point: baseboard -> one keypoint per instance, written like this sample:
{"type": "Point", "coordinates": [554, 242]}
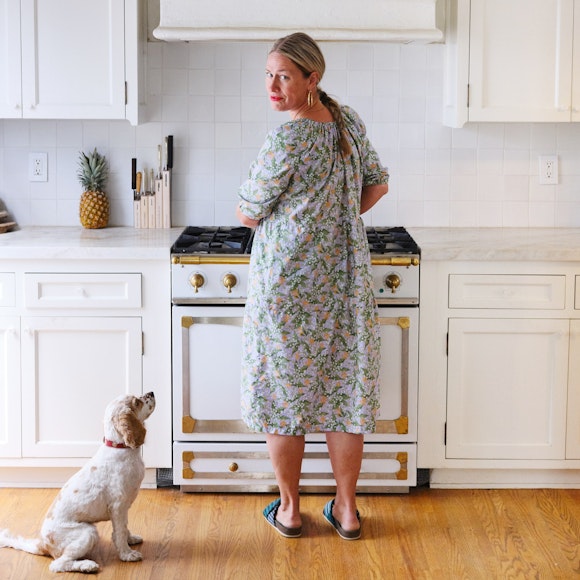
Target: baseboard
{"type": "Point", "coordinates": [504, 478]}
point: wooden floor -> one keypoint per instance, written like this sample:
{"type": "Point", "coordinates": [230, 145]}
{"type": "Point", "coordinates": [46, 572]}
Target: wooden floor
{"type": "Point", "coordinates": [427, 534]}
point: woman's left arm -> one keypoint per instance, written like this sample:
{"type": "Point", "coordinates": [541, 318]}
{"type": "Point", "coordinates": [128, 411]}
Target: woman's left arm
{"type": "Point", "coordinates": [371, 194]}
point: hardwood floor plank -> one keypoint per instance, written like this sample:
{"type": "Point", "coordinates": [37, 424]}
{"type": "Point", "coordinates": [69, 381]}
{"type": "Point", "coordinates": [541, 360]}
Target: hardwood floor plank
{"type": "Point", "coordinates": [425, 535]}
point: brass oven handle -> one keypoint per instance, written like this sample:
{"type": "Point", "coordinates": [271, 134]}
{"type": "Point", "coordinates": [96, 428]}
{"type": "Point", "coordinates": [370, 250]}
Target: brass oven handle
{"type": "Point", "coordinates": [197, 281]}
{"type": "Point", "coordinates": [229, 281]}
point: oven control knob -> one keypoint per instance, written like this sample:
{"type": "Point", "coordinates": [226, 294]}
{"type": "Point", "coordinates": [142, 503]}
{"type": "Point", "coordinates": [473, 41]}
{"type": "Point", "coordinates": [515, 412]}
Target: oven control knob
{"type": "Point", "coordinates": [233, 467]}
{"type": "Point", "coordinates": [197, 281]}
{"type": "Point", "coordinates": [393, 281]}
{"type": "Point", "coordinates": [229, 281]}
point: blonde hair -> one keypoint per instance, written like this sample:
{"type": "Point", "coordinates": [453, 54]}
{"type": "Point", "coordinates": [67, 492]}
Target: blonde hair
{"type": "Point", "coordinates": [305, 53]}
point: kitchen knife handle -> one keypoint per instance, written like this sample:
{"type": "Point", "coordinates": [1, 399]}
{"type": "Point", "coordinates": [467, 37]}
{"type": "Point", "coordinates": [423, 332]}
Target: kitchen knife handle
{"type": "Point", "coordinates": [134, 173]}
{"type": "Point", "coordinates": [138, 181]}
{"type": "Point", "coordinates": [169, 151]}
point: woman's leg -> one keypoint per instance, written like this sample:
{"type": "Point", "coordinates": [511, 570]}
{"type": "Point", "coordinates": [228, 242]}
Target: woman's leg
{"type": "Point", "coordinates": [286, 453]}
{"type": "Point", "coordinates": [345, 450]}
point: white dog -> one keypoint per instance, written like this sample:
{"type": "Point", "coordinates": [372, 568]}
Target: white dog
{"type": "Point", "coordinates": [102, 490]}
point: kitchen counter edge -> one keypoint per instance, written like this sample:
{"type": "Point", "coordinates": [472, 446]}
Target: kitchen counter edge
{"type": "Point", "coordinates": [498, 244]}
{"type": "Point", "coordinates": [117, 243]}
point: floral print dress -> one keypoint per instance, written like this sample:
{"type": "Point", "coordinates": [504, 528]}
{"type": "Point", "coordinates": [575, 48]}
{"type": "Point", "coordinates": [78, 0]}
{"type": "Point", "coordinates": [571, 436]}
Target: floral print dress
{"type": "Point", "coordinates": [310, 354]}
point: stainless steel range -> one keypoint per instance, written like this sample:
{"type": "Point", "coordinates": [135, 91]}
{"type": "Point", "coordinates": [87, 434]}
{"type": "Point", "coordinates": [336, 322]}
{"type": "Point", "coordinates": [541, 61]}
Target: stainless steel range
{"type": "Point", "coordinates": [213, 450]}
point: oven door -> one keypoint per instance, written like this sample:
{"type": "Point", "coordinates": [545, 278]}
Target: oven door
{"type": "Point", "coordinates": [207, 343]}
{"type": "Point", "coordinates": [206, 375]}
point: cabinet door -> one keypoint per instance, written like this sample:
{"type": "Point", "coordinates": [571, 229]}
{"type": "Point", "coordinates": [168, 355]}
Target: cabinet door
{"type": "Point", "coordinates": [576, 60]}
{"type": "Point", "coordinates": [507, 385]}
{"type": "Point", "coordinates": [521, 60]}
{"type": "Point", "coordinates": [10, 87]}
{"type": "Point", "coordinates": [573, 424]}
{"type": "Point", "coordinates": [10, 386]}
{"type": "Point", "coordinates": [73, 59]}
{"type": "Point", "coordinates": [72, 367]}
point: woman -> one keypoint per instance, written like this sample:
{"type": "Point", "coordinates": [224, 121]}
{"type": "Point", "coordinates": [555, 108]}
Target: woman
{"type": "Point", "coordinates": [311, 337]}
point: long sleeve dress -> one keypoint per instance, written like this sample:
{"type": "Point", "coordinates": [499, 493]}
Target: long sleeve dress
{"type": "Point", "coordinates": [310, 353]}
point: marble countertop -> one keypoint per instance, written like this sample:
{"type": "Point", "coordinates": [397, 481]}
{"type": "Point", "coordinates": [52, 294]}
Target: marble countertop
{"type": "Point", "coordinates": [437, 244]}
{"type": "Point", "coordinates": [120, 243]}
{"type": "Point", "coordinates": [495, 244]}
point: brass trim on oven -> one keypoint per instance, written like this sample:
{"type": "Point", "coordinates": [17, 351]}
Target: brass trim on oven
{"type": "Point", "coordinates": [209, 426]}
{"type": "Point", "coordinates": [402, 457]}
{"type": "Point", "coordinates": [400, 425]}
{"type": "Point", "coordinates": [211, 259]}
{"type": "Point", "coordinates": [188, 423]}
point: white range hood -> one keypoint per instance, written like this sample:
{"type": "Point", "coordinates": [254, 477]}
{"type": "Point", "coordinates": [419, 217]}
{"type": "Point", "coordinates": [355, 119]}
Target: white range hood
{"type": "Point", "coordinates": [350, 20]}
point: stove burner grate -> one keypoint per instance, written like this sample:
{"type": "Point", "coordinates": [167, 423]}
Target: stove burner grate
{"type": "Point", "coordinates": [213, 240]}
{"type": "Point", "coordinates": [391, 240]}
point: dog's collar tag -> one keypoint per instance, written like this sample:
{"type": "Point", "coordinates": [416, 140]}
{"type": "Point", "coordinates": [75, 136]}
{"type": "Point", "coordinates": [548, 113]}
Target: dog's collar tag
{"type": "Point", "coordinates": [109, 443]}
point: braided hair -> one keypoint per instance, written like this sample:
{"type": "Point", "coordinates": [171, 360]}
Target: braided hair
{"type": "Point", "coordinates": [305, 53]}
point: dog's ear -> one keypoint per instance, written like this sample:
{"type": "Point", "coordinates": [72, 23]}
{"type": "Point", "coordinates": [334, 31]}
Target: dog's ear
{"type": "Point", "coordinates": [129, 426]}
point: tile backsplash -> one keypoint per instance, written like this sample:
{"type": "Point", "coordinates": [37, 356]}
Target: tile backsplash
{"type": "Point", "coordinates": [210, 96]}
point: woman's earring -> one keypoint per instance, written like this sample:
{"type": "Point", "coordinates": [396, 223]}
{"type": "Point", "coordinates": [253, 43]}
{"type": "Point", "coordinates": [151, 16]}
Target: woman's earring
{"type": "Point", "coordinates": [309, 99]}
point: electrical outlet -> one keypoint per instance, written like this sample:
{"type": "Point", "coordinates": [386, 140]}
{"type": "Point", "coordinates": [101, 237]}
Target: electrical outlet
{"type": "Point", "coordinates": [38, 167]}
{"type": "Point", "coordinates": [548, 169]}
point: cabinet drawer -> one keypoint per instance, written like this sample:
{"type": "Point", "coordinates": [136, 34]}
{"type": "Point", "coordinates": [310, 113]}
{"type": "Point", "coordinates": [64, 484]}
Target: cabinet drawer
{"type": "Point", "coordinates": [7, 291]}
{"type": "Point", "coordinates": [507, 291]}
{"type": "Point", "coordinates": [246, 467]}
{"type": "Point", "coordinates": [82, 290]}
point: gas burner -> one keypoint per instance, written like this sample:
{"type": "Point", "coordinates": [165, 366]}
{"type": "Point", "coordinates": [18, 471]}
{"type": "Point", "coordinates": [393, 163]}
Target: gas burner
{"type": "Point", "coordinates": [391, 240]}
{"type": "Point", "coordinates": [213, 240]}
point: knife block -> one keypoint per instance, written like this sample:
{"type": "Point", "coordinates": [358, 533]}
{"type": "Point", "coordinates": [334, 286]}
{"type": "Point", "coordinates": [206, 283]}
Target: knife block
{"type": "Point", "coordinates": [152, 209]}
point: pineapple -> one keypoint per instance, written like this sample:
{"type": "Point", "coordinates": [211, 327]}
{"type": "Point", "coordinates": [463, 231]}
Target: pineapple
{"type": "Point", "coordinates": [94, 205]}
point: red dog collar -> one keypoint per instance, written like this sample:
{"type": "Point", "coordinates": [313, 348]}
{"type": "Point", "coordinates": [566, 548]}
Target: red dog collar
{"type": "Point", "coordinates": [113, 444]}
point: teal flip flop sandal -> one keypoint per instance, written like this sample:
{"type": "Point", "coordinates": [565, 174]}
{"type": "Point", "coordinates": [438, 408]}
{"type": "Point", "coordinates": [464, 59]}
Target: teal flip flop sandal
{"type": "Point", "coordinates": [344, 534]}
{"type": "Point", "coordinates": [270, 512]}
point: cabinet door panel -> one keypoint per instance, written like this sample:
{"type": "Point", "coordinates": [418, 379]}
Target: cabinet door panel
{"type": "Point", "coordinates": [71, 369]}
{"type": "Point", "coordinates": [10, 386]}
{"type": "Point", "coordinates": [520, 60]}
{"type": "Point", "coordinates": [576, 60]}
{"type": "Point", "coordinates": [573, 424]}
{"type": "Point", "coordinates": [73, 59]}
{"type": "Point", "coordinates": [10, 89]}
{"type": "Point", "coordinates": [507, 388]}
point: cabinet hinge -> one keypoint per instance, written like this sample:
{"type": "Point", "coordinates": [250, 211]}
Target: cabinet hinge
{"type": "Point", "coordinates": [445, 434]}
{"type": "Point", "coordinates": [468, 95]}
{"type": "Point", "coordinates": [126, 91]}
{"type": "Point", "coordinates": [447, 344]}
{"type": "Point", "coordinates": [142, 343]}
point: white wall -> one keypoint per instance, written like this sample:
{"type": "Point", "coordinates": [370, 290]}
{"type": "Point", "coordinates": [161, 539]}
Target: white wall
{"type": "Point", "coordinates": [211, 98]}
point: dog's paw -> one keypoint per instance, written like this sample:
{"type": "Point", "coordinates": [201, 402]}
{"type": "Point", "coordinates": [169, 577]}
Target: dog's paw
{"type": "Point", "coordinates": [134, 540]}
{"type": "Point", "coordinates": [88, 566]}
{"type": "Point", "coordinates": [131, 556]}
{"type": "Point", "coordinates": [63, 565]}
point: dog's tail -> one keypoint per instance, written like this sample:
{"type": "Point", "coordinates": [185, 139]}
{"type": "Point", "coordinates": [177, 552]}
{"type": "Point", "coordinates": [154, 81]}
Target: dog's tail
{"type": "Point", "coordinates": [33, 546]}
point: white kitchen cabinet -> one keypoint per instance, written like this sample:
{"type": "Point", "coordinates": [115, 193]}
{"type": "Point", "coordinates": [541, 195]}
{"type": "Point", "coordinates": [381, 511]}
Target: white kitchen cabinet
{"type": "Point", "coordinates": [512, 61]}
{"type": "Point", "coordinates": [507, 388]}
{"type": "Point", "coordinates": [10, 404]}
{"type": "Point", "coordinates": [70, 367]}
{"type": "Point", "coordinates": [10, 59]}
{"type": "Point", "coordinates": [83, 319]}
{"type": "Point", "coordinates": [573, 423]}
{"type": "Point", "coordinates": [499, 388]}
{"type": "Point", "coordinates": [71, 59]}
